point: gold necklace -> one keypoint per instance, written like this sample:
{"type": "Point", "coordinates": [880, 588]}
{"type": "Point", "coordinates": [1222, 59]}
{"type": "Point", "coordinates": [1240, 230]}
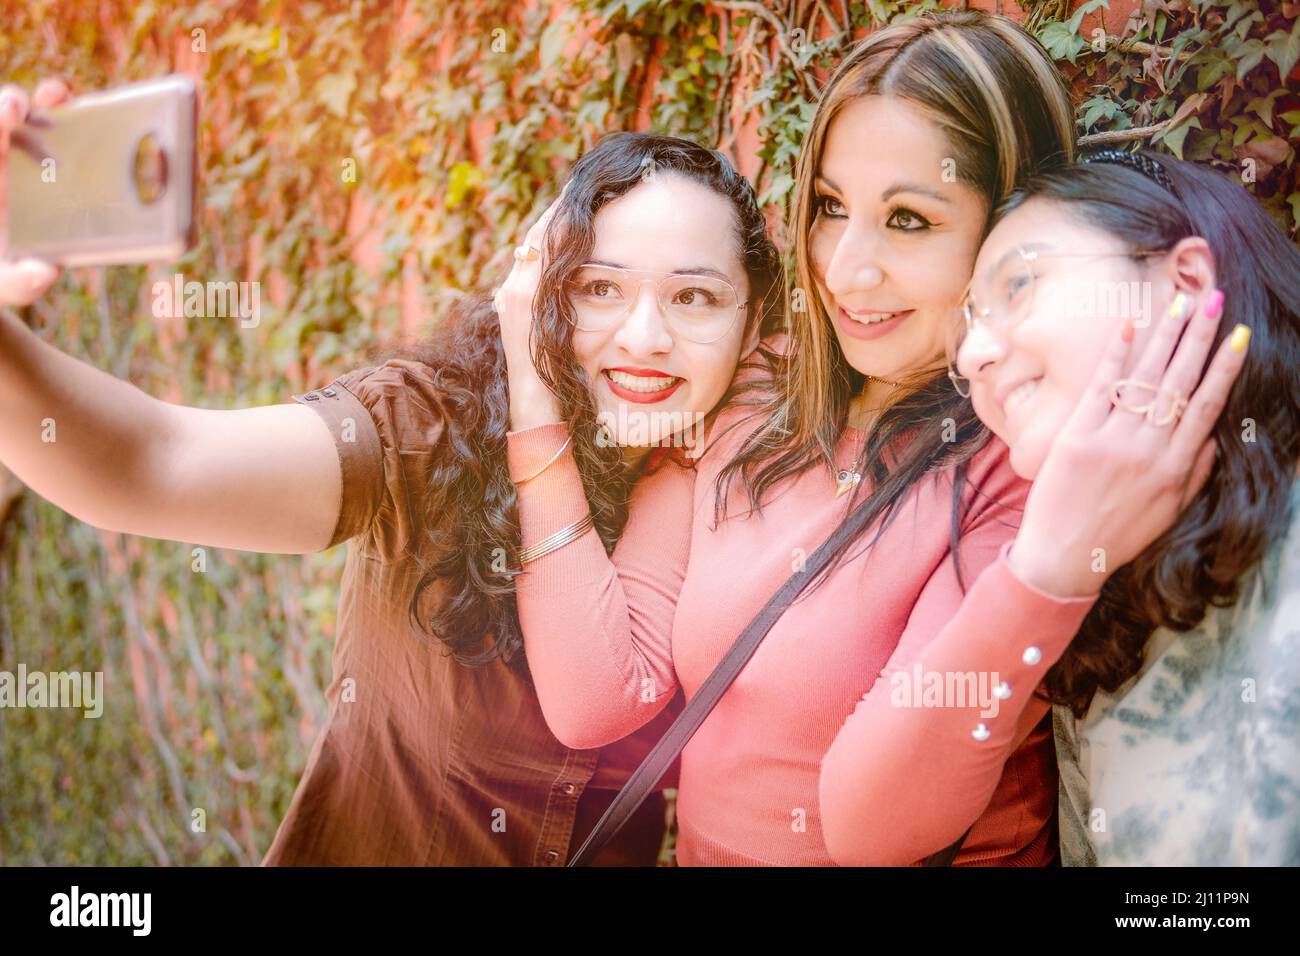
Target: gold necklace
{"type": "Point", "coordinates": [848, 478]}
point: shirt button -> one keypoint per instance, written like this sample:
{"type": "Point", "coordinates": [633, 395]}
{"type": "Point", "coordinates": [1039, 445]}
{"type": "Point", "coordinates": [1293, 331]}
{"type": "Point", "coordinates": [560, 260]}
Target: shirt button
{"type": "Point", "coordinates": [1032, 655]}
{"type": "Point", "coordinates": [327, 391]}
{"type": "Point", "coordinates": [312, 397]}
{"type": "Point", "coordinates": [570, 789]}
{"type": "Point", "coordinates": [552, 856]}
{"type": "Point", "coordinates": [981, 733]}
{"type": "Point", "coordinates": [1002, 691]}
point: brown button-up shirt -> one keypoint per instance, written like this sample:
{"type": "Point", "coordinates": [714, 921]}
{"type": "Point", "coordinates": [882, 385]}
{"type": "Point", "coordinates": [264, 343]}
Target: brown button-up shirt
{"type": "Point", "coordinates": [424, 761]}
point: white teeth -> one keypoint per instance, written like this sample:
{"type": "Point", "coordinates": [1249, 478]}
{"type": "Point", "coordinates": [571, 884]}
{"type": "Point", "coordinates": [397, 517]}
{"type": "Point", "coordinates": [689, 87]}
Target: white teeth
{"type": "Point", "coordinates": [640, 383]}
{"type": "Point", "coordinates": [1020, 394]}
{"type": "Point", "coordinates": [873, 320]}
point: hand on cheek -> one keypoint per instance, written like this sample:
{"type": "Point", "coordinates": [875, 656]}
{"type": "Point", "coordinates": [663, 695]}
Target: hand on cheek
{"type": "Point", "coordinates": [1121, 472]}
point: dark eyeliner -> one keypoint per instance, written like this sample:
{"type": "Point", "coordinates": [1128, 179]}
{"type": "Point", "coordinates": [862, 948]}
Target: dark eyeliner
{"type": "Point", "coordinates": [819, 205]}
{"type": "Point", "coordinates": [913, 214]}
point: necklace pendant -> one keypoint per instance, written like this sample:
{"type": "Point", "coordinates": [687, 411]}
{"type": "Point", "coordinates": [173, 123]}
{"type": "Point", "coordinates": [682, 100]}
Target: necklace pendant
{"type": "Point", "coordinates": [845, 480]}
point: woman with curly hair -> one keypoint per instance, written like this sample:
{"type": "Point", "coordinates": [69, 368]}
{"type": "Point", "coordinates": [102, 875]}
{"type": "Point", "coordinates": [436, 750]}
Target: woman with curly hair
{"type": "Point", "coordinates": [435, 751]}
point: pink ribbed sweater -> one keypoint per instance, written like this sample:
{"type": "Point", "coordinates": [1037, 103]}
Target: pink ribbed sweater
{"type": "Point", "coordinates": [811, 757]}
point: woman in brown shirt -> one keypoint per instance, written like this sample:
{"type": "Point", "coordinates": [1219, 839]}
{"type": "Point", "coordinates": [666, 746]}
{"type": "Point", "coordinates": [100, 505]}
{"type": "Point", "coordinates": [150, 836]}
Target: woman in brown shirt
{"type": "Point", "coordinates": [435, 751]}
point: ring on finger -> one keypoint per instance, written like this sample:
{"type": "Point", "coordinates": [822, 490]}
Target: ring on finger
{"type": "Point", "coordinates": [1177, 402]}
{"type": "Point", "coordinates": [1176, 405]}
{"type": "Point", "coordinates": [1120, 400]}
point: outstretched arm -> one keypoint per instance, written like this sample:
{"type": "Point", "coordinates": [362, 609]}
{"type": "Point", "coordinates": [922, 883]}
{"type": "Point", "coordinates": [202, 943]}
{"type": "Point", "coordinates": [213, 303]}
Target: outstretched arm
{"type": "Point", "coordinates": [258, 479]}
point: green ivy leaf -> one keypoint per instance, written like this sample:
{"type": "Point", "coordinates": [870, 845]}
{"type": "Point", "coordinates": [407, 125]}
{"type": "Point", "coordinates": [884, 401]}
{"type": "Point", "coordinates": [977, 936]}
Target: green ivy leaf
{"type": "Point", "coordinates": [1246, 127]}
{"type": "Point", "coordinates": [1076, 21]}
{"type": "Point", "coordinates": [625, 59]}
{"type": "Point", "coordinates": [1096, 108]}
{"type": "Point", "coordinates": [1284, 49]}
{"type": "Point", "coordinates": [1262, 106]}
{"type": "Point", "coordinates": [1292, 117]}
{"type": "Point", "coordinates": [554, 37]}
{"type": "Point", "coordinates": [1248, 55]}
{"type": "Point", "coordinates": [1060, 41]}
{"type": "Point", "coordinates": [781, 184]}
{"type": "Point", "coordinates": [1235, 10]}
{"type": "Point", "coordinates": [464, 177]}
{"type": "Point", "coordinates": [1201, 144]}
{"type": "Point", "coordinates": [1244, 26]}
{"type": "Point", "coordinates": [1173, 139]}
{"type": "Point", "coordinates": [1212, 72]}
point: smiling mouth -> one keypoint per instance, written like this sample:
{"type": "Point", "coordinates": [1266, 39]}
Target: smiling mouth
{"type": "Point", "coordinates": [641, 386]}
{"type": "Point", "coordinates": [647, 384]}
{"type": "Point", "coordinates": [1019, 395]}
{"type": "Point", "coordinates": [873, 318]}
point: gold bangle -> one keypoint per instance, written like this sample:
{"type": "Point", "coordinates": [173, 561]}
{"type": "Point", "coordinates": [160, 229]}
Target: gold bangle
{"type": "Point", "coordinates": [554, 459]}
{"type": "Point", "coordinates": [558, 540]}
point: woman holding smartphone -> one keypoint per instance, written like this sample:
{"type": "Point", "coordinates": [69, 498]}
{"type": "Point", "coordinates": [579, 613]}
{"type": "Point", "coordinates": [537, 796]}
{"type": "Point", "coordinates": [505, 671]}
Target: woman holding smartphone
{"type": "Point", "coordinates": [435, 751]}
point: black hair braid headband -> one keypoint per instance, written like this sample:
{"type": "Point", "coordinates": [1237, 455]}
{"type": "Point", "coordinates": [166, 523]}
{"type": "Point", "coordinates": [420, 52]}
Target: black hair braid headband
{"type": "Point", "coordinates": [1140, 162]}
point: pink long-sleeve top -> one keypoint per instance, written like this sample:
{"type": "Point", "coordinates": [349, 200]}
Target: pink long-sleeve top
{"type": "Point", "coordinates": [826, 749]}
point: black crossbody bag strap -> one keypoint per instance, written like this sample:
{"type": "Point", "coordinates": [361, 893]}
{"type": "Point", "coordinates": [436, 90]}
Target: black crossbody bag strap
{"type": "Point", "coordinates": [665, 751]}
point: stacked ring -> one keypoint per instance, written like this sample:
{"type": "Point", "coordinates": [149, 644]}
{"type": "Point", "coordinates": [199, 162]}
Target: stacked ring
{"type": "Point", "coordinates": [1177, 402]}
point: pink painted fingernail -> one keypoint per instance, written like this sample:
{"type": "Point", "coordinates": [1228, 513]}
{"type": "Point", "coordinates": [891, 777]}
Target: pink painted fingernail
{"type": "Point", "coordinates": [1214, 304]}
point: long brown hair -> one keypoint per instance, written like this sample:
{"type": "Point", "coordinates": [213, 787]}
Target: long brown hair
{"type": "Point", "coordinates": [1006, 113]}
{"type": "Point", "coordinates": [472, 528]}
{"type": "Point", "coordinates": [1243, 508]}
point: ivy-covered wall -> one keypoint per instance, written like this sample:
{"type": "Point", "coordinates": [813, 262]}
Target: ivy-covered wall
{"type": "Point", "coordinates": [367, 162]}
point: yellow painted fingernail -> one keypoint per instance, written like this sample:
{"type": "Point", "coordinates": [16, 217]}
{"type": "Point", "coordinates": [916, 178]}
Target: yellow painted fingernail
{"type": "Point", "coordinates": [1240, 338]}
{"type": "Point", "coordinates": [1176, 307]}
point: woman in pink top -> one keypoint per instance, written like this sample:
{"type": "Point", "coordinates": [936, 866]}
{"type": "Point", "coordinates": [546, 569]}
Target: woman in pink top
{"type": "Point", "coordinates": [832, 747]}
{"type": "Point", "coordinates": [890, 709]}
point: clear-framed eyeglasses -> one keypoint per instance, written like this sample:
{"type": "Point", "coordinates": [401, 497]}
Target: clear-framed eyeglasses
{"type": "Point", "coordinates": [699, 308]}
{"type": "Point", "coordinates": [1007, 298]}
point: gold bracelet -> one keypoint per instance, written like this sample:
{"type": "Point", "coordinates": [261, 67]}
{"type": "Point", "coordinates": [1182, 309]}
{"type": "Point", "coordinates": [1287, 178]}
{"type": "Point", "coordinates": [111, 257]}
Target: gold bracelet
{"type": "Point", "coordinates": [558, 540]}
{"type": "Point", "coordinates": [554, 459]}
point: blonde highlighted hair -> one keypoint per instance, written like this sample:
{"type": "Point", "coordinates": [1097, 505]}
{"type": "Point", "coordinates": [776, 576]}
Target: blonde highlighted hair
{"type": "Point", "coordinates": [1006, 112]}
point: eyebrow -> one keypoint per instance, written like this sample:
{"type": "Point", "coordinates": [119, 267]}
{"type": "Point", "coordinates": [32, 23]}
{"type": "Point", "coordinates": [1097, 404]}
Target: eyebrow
{"type": "Point", "coordinates": [691, 270]}
{"type": "Point", "coordinates": [897, 188]}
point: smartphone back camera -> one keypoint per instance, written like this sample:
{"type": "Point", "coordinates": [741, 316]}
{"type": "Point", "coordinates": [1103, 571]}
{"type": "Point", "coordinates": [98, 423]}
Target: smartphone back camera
{"type": "Point", "coordinates": [108, 178]}
{"type": "Point", "coordinates": [150, 169]}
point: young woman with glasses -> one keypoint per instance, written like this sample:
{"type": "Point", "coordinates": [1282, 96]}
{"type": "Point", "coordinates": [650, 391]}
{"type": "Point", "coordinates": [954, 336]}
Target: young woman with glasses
{"type": "Point", "coordinates": [1178, 731]}
{"type": "Point", "coordinates": [435, 751]}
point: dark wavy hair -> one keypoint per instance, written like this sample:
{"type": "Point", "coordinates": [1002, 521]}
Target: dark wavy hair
{"type": "Point", "coordinates": [1242, 510]}
{"type": "Point", "coordinates": [465, 597]}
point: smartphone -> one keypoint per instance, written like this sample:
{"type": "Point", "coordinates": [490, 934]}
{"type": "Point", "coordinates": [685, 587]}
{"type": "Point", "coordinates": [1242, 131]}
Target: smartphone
{"type": "Point", "coordinates": [108, 178]}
